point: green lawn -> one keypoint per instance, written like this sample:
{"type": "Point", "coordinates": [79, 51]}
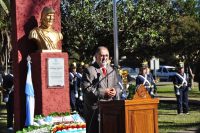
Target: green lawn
{"type": "Point", "coordinates": [169, 121]}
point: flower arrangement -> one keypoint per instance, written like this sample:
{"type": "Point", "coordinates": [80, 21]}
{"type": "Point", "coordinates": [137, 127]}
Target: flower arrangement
{"type": "Point", "coordinates": [57, 123]}
{"type": "Point", "coordinates": [69, 128]}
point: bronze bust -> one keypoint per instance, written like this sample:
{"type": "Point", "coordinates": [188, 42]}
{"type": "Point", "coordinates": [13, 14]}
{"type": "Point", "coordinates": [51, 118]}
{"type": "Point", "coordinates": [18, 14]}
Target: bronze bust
{"type": "Point", "coordinates": [46, 37]}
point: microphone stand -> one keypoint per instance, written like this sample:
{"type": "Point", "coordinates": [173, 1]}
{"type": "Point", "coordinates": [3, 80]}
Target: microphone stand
{"type": "Point", "coordinates": [99, 115]}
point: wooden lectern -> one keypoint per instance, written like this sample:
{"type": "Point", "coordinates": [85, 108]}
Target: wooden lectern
{"type": "Point", "coordinates": [139, 115]}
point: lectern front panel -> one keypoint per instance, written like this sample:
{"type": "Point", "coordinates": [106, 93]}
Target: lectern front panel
{"type": "Point", "coordinates": [112, 117]}
{"type": "Point", "coordinates": [140, 121]}
{"type": "Point", "coordinates": [129, 116]}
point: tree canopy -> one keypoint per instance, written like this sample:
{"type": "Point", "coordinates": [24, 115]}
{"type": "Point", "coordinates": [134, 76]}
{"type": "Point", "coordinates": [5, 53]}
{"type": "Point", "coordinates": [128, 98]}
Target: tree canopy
{"type": "Point", "coordinates": [5, 38]}
{"type": "Point", "coordinates": [146, 28]}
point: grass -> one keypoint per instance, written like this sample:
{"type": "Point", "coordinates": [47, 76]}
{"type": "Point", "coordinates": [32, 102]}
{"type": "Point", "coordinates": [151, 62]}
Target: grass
{"type": "Point", "coordinates": [169, 121]}
{"type": "Point", "coordinates": [167, 90]}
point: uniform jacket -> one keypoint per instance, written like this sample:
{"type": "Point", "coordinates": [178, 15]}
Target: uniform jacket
{"type": "Point", "coordinates": [147, 80]}
{"type": "Point", "coordinates": [180, 80]}
{"type": "Point", "coordinates": [75, 80]}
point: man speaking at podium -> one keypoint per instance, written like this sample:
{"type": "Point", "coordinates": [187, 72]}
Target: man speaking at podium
{"type": "Point", "coordinates": [100, 82]}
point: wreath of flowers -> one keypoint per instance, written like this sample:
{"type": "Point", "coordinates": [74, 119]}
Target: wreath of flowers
{"type": "Point", "coordinates": [65, 128]}
{"type": "Point", "coordinates": [57, 123]}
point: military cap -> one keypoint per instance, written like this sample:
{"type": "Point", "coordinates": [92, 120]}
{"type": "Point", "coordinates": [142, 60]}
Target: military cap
{"type": "Point", "coordinates": [47, 10]}
{"type": "Point", "coordinates": [144, 64]}
{"type": "Point", "coordinates": [180, 64]}
{"type": "Point", "coordinates": [82, 63]}
{"type": "Point", "coordinates": [73, 65]}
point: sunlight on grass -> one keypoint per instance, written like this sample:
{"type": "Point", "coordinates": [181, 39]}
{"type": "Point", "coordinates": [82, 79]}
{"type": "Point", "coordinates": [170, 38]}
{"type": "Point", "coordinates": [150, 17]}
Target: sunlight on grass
{"type": "Point", "coordinates": [167, 90]}
{"type": "Point", "coordinates": [169, 121]}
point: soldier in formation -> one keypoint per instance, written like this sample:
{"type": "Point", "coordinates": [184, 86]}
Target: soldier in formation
{"type": "Point", "coordinates": [181, 89]}
{"type": "Point", "coordinates": [76, 92]}
{"type": "Point", "coordinates": [146, 79]}
{"type": "Point", "coordinates": [8, 86]}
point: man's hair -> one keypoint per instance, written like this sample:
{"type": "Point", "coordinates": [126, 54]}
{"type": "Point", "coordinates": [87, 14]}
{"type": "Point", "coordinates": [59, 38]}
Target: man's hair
{"type": "Point", "coordinates": [99, 49]}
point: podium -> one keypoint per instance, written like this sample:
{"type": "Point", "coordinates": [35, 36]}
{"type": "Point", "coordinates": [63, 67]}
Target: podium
{"type": "Point", "coordinates": [139, 115]}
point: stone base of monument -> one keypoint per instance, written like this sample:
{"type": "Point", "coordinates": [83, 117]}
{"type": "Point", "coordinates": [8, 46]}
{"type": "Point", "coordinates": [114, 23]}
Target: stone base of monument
{"type": "Point", "coordinates": [50, 81]}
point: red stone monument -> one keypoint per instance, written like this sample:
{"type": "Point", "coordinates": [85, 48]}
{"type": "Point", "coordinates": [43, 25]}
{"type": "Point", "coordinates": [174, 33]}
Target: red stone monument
{"type": "Point", "coordinates": [50, 98]}
{"type": "Point", "coordinates": [26, 16]}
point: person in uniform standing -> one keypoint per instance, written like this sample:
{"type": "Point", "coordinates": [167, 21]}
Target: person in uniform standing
{"type": "Point", "coordinates": [181, 89]}
{"type": "Point", "coordinates": [100, 82]}
{"type": "Point", "coordinates": [8, 85]}
{"type": "Point", "coordinates": [145, 79]}
{"type": "Point", "coordinates": [74, 79]}
{"type": "Point", "coordinates": [79, 100]}
{"type": "Point", "coordinates": [153, 82]}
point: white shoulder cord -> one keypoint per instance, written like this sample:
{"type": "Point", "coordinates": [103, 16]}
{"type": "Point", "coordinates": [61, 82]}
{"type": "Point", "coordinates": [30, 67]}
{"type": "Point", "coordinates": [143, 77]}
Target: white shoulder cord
{"type": "Point", "coordinates": [145, 80]}
{"type": "Point", "coordinates": [183, 79]}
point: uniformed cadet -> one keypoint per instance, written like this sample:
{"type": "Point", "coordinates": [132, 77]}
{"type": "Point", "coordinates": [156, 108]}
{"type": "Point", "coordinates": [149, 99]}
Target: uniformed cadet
{"type": "Point", "coordinates": [181, 89]}
{"type": "Point", "coordinates": [79, 100]}
{"type": "Point", "coordinates": [74, 78]}
{"type": "Point", "coordinates": [145, 79]}
{"type": "Point", "coordinates": [153, 82]}
{"type": "Point", "coordinates": [8, 85]}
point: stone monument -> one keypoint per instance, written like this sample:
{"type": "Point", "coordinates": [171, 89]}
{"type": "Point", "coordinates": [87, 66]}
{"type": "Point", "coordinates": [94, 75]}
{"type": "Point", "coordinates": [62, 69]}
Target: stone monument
{"type": "Point", "coordinates": [51, 92]}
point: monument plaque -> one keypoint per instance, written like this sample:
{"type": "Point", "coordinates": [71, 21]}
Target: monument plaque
{"type": "Point", "coordinates": [56, 72]}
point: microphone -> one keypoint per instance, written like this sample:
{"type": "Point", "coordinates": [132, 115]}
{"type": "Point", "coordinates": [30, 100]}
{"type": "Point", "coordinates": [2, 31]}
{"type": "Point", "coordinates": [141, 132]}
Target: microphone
{"type": "Point", "coordinates": [114, 66]}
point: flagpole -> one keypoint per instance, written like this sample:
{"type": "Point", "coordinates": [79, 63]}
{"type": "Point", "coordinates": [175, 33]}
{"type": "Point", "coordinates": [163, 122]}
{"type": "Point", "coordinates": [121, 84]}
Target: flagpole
{"type": "Point", "coordinates": [115, 30]}
{"type": "Point", "coordinates": [115, 34]}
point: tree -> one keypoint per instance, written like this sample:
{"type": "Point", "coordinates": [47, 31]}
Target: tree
{"type": "Point", "coordinates": [187, 7]}
{"type": "Point", "coordinates": [185, 38]}
{"type": "Point", "coordinates": [5, 24]}
{"type": "Point", "coordinates": [145, 22]}
{"type": "Point", "coordinates": [184, 33]}
{"type": "Point", "coordinates": [87, 24]}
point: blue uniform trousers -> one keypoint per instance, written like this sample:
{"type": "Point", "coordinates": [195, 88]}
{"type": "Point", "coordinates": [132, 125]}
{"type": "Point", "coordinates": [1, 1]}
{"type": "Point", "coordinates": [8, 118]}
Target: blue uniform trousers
{"type": "Point", "coordinates": [182, 100]}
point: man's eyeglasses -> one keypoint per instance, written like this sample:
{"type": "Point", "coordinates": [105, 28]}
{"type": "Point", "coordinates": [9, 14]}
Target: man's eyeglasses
{"type": "Point", "coordinates": [106, 55]}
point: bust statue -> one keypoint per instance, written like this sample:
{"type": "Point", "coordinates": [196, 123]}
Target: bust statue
{"type": "Point", "coordinates": [45, 36]}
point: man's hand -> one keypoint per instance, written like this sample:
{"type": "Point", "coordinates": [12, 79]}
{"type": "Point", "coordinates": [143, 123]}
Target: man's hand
{"type": "Point", "coordinates": [110, 92]}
